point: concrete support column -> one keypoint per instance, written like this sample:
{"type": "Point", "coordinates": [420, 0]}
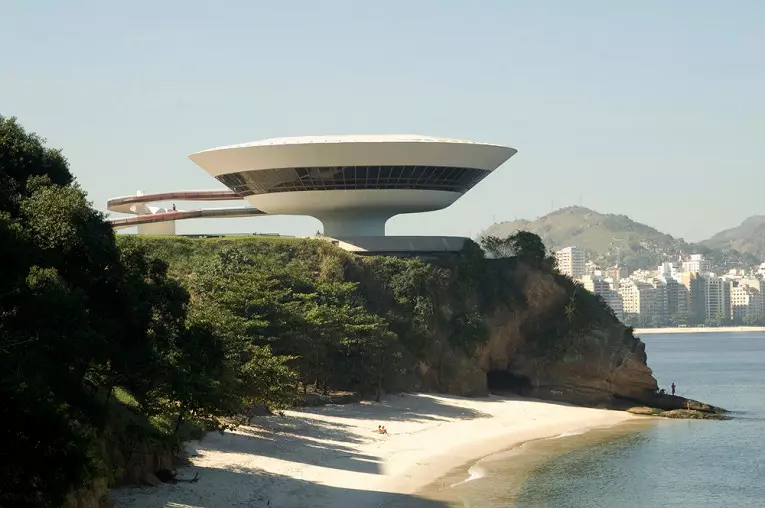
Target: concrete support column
{"type": "Point", "coordinates": [354, 224]}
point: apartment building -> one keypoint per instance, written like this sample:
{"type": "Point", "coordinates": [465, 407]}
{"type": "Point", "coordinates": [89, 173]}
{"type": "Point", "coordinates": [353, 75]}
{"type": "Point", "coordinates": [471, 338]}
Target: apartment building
{"type": "Point", "coordinates": [757, 282]}
{"type": "Point", "coordinates": [655, 308]}
{"type": "Point", "coordinates": [696, 264]}
{"type": "Point", "coordinates": [571, 262]}
{"type": "Point", "coordinates": [745, 303]}
{"type": "Point", "coordinates": [717, 301]}
{"type": "Point", "coordinates": [604, 288]}
{"type": "Point", "coordinates": [755, 306]}
{"type": "Point", "coordinates": [644, 300]}
{"type": "Point", "coordinates": [617, 273]}
{"type": "Point", "coordinates": [629, 290]}
{"type": "Point", "coordinates": [668, 270]}
{"type": "Point", "coordinates": [695, 286]}
{"type": "Point", "coordinates": [677, 295]}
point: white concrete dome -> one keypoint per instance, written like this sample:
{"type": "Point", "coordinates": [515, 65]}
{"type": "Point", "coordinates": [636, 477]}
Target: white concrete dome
{"type": "Point", "coordinates": [353, 184]}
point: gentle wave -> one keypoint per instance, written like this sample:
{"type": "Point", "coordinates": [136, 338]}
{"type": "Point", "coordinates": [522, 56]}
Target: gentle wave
{"type": "Point", "coordinates": [572, 433]}
{"type": "Point", "coordinates": [475, 473]}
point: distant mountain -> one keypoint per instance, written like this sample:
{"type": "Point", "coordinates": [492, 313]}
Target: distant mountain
{"type": "Point", "coordinates": [749, 237]}
{"type": "Point", "coordinates": [610, 239]}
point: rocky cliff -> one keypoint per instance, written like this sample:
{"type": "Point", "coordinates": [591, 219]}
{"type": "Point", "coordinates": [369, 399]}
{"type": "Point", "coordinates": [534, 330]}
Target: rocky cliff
{"type": "Point", "coordinates": [600, 361]}
{"type": "Point", "coordinates": [556, 341]}
{"type": "Point", "coordinates": [553, 340]}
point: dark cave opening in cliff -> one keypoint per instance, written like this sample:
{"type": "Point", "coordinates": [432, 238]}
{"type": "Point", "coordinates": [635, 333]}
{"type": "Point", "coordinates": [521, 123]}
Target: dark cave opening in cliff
{"type": "Point", "coordinates": [503, 382]}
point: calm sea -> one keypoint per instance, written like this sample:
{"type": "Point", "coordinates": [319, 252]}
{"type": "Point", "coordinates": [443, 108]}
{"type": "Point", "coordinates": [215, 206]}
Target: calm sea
{"type": "Point", "coordinates": [665, 463]}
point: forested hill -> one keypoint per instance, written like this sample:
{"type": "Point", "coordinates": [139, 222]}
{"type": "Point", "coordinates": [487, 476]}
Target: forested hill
{"type": "Point", "coordinates": [610, 239]}
{"type": "Point", "coordinates": [371, 324]}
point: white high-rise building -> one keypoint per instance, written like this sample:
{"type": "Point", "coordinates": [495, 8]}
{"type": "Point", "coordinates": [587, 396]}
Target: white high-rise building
{"type": "Point", "coordinates": [571, 262]}
{"type": "Point", "coordinates": [696, 264]}
{"type": "Point", "coordinates": [757, 283]}
{"type": "Point", "coordinates": [745, 303]}
{"type": "Point", "coordinates": [668, 270]}
{"type": "Point", "coordinates": [645, 301]}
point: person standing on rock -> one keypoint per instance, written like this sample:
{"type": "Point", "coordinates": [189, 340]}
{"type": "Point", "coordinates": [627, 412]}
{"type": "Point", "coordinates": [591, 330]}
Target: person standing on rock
{"type": "Point", "coordinates": [673, 388]}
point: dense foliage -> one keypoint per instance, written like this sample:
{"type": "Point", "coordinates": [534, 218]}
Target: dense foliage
{"type": "Point", "coordinates": [80, 317]}
{"type": "Point", "coordinates": [344, 322]}
{"type": "Point", "coordinates": [109, 344]}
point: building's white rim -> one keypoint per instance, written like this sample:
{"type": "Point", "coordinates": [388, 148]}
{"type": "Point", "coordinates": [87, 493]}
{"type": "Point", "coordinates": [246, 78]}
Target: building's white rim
{"type": "Point", "coordinates": [349, 138]}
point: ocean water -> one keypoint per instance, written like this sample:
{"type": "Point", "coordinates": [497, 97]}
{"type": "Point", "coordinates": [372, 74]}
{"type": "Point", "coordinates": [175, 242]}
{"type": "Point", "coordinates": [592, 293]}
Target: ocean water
{"type": "Point", "coordinates": [678, 463]}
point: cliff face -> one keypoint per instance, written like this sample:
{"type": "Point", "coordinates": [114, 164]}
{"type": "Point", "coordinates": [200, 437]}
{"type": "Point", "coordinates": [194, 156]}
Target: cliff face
{"type": "Point", "coordinates": [553, 344]}
{"type": "Point", "coordinates": [609, 366]}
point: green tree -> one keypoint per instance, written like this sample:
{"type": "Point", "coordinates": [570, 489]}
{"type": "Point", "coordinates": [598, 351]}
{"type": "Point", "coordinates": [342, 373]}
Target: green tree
{"type": "Point", "coordinates": [316, 319]}
{"type": "Point", "coordinates": [498, 247]}
{"type": "Point", "coordinates": [683, 318]}
{"type": "Point", "coordinates": [750, 320]}
{"type": "Point", "coordinates": [632, 320]}
{"type": "Point", "coordinates": [525, 246]}
{"type": "Point", "coordinates": [77, 318]}
{"type": "Point", "coordinates": [54, 269]}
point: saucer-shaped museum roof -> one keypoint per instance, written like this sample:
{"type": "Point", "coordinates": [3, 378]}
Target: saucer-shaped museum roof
{"type": "Point", "coordinates": [349, 138]}
{"type": "Point", "coordinates": [351, 150]}
{"type": "Point", "coordinates": [352, 183]}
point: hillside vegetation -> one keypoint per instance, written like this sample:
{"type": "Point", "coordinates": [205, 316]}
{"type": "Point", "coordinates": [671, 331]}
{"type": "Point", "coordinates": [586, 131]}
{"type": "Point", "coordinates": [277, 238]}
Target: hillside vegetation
{"type": "Point", "coordinates": [610, 239]}
{"type": "Point", "coordinates": [107, 365]}
{"type": "Point", "coordinates": [114, 351]}
{"type": "Point", "coordinates": [748, 237]}
{"type": "Point", "coordinates": [375, 324]}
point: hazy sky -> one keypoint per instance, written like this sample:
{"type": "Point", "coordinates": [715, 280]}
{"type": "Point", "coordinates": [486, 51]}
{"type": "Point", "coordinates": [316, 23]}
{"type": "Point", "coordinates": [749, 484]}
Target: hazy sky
{"type": "Point", "coordinates": [653, 109]}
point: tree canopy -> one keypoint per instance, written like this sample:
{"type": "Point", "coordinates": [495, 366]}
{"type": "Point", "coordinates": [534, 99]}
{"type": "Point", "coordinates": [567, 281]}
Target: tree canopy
{"type": "Point", "coordinates": [523, 245]}
{"type": "Point", "coordinates": [79, 317]}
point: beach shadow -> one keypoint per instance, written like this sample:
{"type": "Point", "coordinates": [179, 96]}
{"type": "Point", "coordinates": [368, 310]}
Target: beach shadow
{"type": "Point", "coordinates": [293, 439]}
{"type": "Point", "coordinates": [406, 407]}
{"type": "Point", "coordinates": [252, 488]}
{"type": "Point", "coordinates": [302, 439]}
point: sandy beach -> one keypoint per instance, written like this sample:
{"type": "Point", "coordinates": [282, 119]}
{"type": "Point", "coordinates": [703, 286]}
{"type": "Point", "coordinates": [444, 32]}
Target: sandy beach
{"type": "Point", "coordinates": [718, 329]}
{"type": "Point", "coordinates": [332, 457]}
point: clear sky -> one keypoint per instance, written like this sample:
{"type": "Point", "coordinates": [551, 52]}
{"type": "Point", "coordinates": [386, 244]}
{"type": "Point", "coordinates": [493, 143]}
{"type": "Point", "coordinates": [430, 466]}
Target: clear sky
{"type": "Point", "coordinates": [653, 109]}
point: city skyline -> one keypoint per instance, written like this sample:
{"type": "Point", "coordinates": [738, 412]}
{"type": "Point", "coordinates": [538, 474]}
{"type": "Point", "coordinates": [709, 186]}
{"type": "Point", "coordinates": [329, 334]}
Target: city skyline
{"type": "Point", "coordinates": [682, 292]}
{"type": "Point", "coordinates": [607, 103]}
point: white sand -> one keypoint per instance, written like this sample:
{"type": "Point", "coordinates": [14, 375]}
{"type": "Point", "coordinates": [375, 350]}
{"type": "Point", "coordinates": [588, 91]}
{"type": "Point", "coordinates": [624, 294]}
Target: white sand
{"type": "Point", "coordinates": [332, 456]}
{"type": "Point", "coordinates": [712, 329]}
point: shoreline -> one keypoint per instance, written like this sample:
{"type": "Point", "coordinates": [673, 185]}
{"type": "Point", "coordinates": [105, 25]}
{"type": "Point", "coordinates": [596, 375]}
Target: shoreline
{"type": "Point", "coordinates": [517, 466]}
{"type": "Point", "coordinates": [702, 329]}
{"type": "Point", "coordinates": [332, 456]}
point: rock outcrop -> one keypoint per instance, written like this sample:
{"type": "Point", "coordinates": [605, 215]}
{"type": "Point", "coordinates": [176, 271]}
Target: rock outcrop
{"type": "Point", "coordinates": [686, 414]}
{"type": "Point", "coordinates": [582, 355]}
